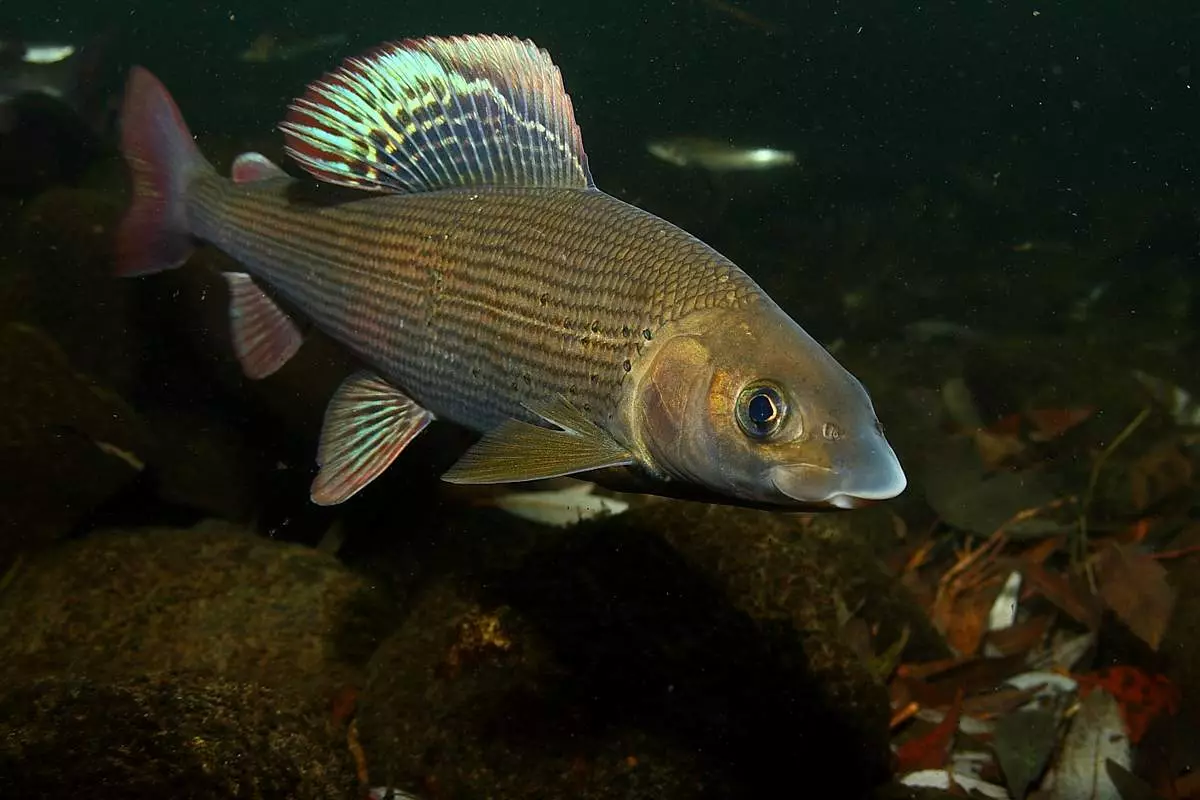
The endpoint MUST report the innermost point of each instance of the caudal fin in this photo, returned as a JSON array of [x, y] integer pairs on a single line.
[[163, 160]]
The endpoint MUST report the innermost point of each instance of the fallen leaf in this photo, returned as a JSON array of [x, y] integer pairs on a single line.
[[883, 665], [1135, 587], [1051, 423], [1038, 553], [960, 405], [1001, 702], [969, 676], [1071, 597], [964, 620], [1142, 696], [1158, 474], [1130, 786], [963, 493], [1008, 425], [1023, 743], [931, 750], [1019, 638], [995, 449], [1003, 613], [944, 779], [1097, 734]]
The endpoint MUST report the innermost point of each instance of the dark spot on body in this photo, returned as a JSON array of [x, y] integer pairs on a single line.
[[528, 380], [595, 326], [647, 335], [625, 331], [595, 378], [544, 299], [628, 365]]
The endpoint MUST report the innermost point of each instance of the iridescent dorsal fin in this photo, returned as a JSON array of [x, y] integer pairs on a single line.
[[438, 113]]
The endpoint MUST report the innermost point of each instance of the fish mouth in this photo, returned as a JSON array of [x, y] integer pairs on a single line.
[[822, 486]]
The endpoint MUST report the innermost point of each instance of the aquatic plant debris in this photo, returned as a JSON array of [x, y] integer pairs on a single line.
[[1024, 606]]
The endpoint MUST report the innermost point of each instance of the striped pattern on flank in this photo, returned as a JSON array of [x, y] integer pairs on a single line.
[[475, 301]]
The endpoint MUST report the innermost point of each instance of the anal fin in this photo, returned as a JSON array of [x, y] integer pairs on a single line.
[[264, 337], [517, 451], [368, 423]]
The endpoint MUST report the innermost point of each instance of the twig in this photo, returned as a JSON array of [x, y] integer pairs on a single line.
[[1094, 478], [1183, 551]]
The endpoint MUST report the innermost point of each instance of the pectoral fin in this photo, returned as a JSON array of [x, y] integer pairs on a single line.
[[368, 423], [520, 451]]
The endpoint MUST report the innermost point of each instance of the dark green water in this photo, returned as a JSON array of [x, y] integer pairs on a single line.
[[996, 199]]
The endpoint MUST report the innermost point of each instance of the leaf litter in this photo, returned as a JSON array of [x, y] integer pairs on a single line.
[[1049, 571]]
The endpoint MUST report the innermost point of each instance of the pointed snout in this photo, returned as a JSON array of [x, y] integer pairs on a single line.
[[869, 473]]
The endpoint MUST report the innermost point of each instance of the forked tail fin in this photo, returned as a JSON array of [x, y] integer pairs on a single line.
[[163, 160]]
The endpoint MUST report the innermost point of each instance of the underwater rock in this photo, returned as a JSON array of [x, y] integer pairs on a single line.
[[470, 700], [209, 601], [145, 738], [67, 444], [659, 653]]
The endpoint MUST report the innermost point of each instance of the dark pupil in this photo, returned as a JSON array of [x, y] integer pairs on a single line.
[[761, 409]]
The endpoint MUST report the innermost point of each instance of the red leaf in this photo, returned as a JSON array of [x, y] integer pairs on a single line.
[[933, 749], [1051, 423], [1141, 696]]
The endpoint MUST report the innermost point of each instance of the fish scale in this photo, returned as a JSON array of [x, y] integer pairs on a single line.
[[529, 292]]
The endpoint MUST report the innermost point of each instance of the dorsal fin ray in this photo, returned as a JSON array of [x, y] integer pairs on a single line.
[[438, 113]]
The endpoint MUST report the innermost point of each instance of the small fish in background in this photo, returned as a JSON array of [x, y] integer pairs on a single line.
[[57, 71], [483, 279], [1057, 247], [714, 155], [268, 47]]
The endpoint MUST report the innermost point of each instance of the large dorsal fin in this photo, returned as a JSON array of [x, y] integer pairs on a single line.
[[438, 113]]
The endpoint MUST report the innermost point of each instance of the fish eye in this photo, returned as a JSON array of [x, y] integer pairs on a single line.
[[761, 410]]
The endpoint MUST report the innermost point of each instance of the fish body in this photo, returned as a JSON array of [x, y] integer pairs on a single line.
[[718, 156], [430, 289], [483, 279]]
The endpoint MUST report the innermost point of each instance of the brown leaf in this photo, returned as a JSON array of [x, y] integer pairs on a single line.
[[1021, 637], [965, 622], [996, 448], [945, 678], [1071, 597], [1051, 423], [1157, 474], [1135, 587]]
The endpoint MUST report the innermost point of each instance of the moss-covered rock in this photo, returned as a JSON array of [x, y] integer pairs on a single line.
[[146, 738], [212, 600]]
